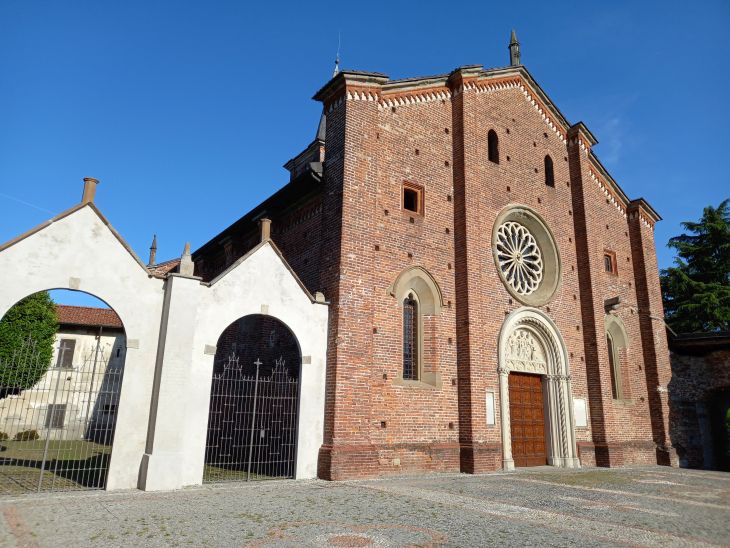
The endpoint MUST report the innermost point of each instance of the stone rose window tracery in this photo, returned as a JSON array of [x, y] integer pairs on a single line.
[[519, 257], [525, 255]]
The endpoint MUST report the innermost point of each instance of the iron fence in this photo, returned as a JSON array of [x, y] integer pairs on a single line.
[[57, 420], [252, 425]]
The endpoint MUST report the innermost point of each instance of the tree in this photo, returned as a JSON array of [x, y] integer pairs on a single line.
[[31, 320], [697, 289]]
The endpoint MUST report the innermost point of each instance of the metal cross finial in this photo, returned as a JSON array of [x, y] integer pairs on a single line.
[[337, 57], [258, 362]]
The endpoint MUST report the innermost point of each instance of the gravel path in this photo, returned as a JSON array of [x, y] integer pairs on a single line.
[[649, 506]]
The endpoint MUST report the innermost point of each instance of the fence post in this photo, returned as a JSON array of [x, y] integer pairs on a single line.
[[253, 419]]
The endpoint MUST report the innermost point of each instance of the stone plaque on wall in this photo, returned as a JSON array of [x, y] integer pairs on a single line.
[[581, 416], [490, 408]]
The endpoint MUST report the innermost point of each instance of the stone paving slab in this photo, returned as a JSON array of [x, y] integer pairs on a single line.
[[647, 506]]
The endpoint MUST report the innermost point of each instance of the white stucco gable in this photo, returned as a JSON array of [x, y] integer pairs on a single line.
[[262, 282], [172, 327], [79, 250]]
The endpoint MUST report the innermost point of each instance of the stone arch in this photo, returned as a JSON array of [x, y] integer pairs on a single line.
[[615, 328], [420, 284], [530, 342], [616, 341], [255, 387], [420, 281]]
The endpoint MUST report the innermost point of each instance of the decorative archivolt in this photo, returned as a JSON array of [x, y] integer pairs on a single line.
[[530, 343], [419, 281], [615, 328]]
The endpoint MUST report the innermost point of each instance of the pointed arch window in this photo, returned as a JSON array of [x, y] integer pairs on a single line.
[[614, 364], [418, 300], [410, 338], [493, 146], [549, 173], [616, 344]]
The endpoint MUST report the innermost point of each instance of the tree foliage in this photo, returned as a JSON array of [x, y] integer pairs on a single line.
[[32, 319], [697, 289]]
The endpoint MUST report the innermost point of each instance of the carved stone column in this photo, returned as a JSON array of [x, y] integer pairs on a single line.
[[507, 462]]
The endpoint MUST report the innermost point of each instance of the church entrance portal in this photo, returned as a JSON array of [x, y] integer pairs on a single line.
[[254, 402], [527, 419], [536, 404]]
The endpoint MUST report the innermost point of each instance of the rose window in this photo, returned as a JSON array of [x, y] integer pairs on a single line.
[[519, 257]]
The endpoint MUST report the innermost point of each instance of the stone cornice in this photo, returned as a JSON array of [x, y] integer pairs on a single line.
[[379, 89], [641, 209]]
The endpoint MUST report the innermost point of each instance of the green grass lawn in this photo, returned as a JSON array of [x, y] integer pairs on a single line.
[[213, 474], [70, 464]]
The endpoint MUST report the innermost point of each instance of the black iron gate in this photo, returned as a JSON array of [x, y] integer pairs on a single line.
[[57, 422], [252, 425]]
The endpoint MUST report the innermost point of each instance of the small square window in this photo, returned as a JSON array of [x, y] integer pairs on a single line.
[[413, 198], [55, 415], [66, 353]]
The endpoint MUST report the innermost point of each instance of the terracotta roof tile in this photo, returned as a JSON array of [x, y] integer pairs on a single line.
[[161, 270], [87, 315]]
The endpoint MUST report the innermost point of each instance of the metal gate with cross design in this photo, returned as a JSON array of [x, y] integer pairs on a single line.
[[252, 425]]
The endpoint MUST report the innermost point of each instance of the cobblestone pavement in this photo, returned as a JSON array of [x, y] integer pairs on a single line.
[[650, 506]]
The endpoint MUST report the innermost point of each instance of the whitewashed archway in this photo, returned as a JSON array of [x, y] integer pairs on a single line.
[[529, 342]]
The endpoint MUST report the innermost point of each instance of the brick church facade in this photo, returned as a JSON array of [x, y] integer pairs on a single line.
[[494, 293]]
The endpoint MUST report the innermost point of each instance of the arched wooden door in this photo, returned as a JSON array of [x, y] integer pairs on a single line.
[[527, 419]]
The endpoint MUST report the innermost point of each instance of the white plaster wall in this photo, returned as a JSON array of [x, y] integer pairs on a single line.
[[262, 280], [80, 252]]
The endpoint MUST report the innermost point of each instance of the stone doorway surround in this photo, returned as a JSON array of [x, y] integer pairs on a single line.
[[529, 342]]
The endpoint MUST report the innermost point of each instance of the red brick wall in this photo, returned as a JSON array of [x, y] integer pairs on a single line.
[[442, 145], [353, 244]]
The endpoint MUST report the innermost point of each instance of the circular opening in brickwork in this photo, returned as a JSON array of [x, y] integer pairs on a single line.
[[525, 254], [392, 109], [507, 130], [544, 135], [446, 130], [417, 152], [446, 163], [508, 158]]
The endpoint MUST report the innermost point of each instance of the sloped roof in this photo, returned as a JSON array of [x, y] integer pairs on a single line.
[[87, 316], [161, 270]]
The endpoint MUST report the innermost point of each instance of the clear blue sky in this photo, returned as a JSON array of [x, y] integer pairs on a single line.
[[187, 110]]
